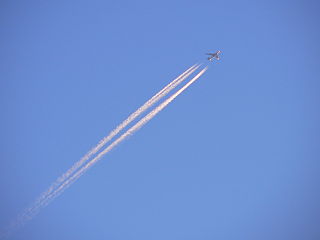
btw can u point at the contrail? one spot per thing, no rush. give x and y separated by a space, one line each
129 132
162 93
63 182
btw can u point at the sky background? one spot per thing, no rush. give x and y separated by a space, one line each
234 157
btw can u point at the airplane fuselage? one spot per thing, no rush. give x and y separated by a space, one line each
214 56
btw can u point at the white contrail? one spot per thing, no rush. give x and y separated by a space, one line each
120 127
132 130
63 182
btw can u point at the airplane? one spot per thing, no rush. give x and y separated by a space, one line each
213 55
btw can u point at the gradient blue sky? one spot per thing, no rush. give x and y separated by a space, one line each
234 157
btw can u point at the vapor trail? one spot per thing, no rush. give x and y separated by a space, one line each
129 132
65 180
120 127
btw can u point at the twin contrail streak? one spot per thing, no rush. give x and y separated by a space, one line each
129 132
162 93
83 165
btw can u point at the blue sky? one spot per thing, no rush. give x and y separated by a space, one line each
236 156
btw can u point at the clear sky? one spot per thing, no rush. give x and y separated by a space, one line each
234 157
